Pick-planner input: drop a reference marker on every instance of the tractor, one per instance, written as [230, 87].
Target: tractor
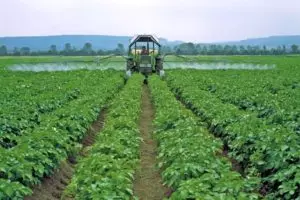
[144, 56]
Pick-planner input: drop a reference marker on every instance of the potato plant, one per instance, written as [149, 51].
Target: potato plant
[40, 149]
[190, 157]
[107, 172]
[266, 150]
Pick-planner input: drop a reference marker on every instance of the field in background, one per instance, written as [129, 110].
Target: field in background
[67, 63]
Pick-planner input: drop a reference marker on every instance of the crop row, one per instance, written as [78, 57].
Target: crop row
[190, 156]
[269, 94]
[39, 152]
[26, 96]
[270, 151]
[107, 171]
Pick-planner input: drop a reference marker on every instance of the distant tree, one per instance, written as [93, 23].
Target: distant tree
[295, 49]
[174, 49]
[36, 53]
[284, 49]
[219, 49]
[249, 50]
[264, 50]
[256, 50]
[235, 50]
[212, 49]
[121, 49]
[16, 51]
[74, 52]
[204, 50]
[243, 50]
[25, 51]
[178, 51]
[198, 48]
[87, 48]
[100, 52]
[53, 50]
[67, 50]
[278, 50]
[166, 49]
[227, 50]
[187, 48]
[273, 51]
[3, 50]
[68, 47]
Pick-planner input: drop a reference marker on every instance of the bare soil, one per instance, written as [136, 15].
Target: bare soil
[52, 187]
[236, 166]
[148, 183]
[94, 129]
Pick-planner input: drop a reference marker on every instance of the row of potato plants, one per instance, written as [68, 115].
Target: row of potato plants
[272, 94]
[107, 170]
[190, 157]
[27, 97]
[57, 136]
[269, 151]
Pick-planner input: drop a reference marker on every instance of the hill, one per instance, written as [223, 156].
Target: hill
[43, 43]
[272, 41]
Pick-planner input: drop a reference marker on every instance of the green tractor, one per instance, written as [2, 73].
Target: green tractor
[144, 56]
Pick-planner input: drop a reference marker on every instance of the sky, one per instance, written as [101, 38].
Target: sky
[187, 20]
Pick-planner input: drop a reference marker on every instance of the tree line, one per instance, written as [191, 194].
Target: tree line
[214, 49]
[182, 49]
[68, 50]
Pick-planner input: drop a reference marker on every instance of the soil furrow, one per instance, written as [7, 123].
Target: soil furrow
[148, 183]
[52, 187]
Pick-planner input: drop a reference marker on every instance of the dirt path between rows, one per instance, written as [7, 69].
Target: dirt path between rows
[148, 183]
[52, 187]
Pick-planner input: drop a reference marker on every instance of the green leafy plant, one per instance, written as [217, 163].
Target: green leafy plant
[107, 171]
[191, 157]
[55, 116]
[242, 114]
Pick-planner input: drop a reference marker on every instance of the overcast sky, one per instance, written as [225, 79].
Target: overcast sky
[188, 20]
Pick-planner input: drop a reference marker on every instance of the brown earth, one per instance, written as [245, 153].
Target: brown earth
[236, 166]
[94, 129]
[52, 187]
[148, 183]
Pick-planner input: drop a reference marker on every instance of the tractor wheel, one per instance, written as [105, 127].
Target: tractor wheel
[159, 65]
[145, 80]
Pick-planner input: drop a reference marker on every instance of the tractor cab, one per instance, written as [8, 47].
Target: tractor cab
[144, 56]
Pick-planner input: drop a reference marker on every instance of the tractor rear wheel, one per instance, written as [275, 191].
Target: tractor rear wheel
[158, 65]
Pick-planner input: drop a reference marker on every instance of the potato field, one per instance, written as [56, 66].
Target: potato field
[83, 132]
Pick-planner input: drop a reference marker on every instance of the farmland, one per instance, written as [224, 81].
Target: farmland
[211, 134]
